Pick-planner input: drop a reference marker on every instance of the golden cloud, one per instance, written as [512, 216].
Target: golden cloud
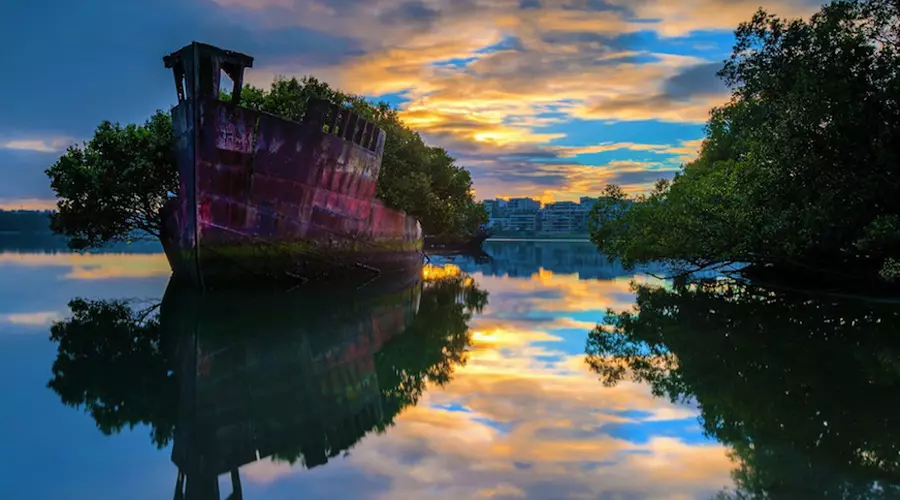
[551, 182]
[638, 107]
[681, 18]
[485, 77]
[686, 148]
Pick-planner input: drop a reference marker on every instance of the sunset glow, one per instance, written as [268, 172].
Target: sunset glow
[551, 99]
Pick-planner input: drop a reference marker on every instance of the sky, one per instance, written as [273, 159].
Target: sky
[551, 99]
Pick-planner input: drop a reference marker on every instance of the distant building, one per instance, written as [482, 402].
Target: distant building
[588, 202]
[492, 207]
[499, 224]
[521, 215]
[524, 221]
[525, 215]
[523, 205]
[564, 217]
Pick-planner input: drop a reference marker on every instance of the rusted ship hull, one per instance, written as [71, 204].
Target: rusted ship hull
[262, 197]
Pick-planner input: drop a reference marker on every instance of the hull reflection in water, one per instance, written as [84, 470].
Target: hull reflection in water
[231, 377]
[291, 375]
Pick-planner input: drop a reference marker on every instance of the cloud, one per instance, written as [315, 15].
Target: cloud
[686, 147]
[483, 78]
[560, 181]
[45, 145]
[685, 96]
[701, 79]
[414, 11]
[43, 318]
[678, 19]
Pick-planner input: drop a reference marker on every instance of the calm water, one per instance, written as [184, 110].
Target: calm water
[486, 379]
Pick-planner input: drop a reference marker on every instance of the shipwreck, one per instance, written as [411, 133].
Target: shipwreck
[266, 198]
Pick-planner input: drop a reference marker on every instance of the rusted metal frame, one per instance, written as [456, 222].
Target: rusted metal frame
[366, 130]
[346, 122]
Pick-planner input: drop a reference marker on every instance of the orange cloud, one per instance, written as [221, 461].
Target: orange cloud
[637, 107]
[483, 78]
[682, 18]
[566, 181]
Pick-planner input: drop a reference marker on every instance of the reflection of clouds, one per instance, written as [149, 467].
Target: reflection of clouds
[90, 266]
[525, 419]
[550, 292]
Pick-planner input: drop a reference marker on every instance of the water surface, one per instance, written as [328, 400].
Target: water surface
[489, 379]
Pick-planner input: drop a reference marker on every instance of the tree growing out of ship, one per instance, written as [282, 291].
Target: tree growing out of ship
[111, 188]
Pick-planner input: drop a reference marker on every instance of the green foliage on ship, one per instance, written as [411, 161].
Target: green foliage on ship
[422, 180]
[800, 169]
[112, 187]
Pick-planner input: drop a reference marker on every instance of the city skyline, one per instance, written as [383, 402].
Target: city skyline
[550, 99]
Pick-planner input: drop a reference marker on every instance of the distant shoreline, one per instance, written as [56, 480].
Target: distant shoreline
[559, 239]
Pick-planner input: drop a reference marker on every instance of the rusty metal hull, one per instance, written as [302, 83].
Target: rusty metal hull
[264, 198]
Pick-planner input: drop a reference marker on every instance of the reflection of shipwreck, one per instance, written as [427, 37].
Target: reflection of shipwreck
[289, 376]
[265, 197]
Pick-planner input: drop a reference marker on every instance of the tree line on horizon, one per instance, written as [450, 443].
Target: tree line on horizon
[25, 221]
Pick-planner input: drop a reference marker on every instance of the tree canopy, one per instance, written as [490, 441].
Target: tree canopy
[112, 187]
[800, 168]
[799, 386]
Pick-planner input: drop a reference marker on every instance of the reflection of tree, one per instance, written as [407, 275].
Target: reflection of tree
[299, 377]
[432, 346]
[802, 388]
[111, 362]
